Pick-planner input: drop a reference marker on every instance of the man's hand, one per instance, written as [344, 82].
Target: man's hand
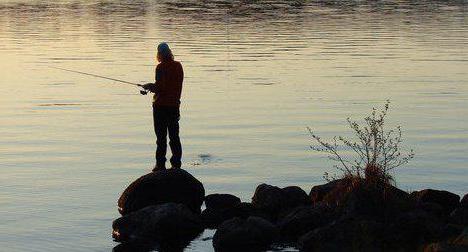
[148, 86]
[151, 87]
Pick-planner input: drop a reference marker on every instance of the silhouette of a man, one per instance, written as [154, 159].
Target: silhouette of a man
[166, 102]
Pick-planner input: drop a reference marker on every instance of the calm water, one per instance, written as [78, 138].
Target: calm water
[257, 73]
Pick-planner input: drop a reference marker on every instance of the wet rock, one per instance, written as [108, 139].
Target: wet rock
[251, 234]
[221, 201]
[169, 224]
[447, 200]
[213, 217]
[221, 207]
[149, 247]
[172, 185]
[304, 219]
[273, 201]
[344, 235]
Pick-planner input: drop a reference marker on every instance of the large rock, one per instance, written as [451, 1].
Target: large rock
[458, 244]
[269, 198]
[381, 202]
[304, 219]
[212, 217]
[447, 200]
[318, 193]
[295, 196]
[168, 223]
[344, 235]
[251, 234]
[459, 216]
[464, 201]
[273, 201]
[414, 229]
[221, 201]
[172, 185]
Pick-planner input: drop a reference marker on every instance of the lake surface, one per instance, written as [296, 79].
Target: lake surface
[257, 74]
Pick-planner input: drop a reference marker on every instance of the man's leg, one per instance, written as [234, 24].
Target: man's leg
[174, 140]
[160, 128]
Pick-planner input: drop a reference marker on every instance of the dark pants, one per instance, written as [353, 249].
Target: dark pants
[166, 120]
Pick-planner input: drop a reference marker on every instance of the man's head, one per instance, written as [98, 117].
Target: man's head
[164, 52]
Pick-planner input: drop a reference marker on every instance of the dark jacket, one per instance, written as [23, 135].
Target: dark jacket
[169, 78]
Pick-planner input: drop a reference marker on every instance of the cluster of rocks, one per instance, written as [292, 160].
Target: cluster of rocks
[162, 210]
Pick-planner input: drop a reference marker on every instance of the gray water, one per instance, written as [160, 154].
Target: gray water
[257, 73]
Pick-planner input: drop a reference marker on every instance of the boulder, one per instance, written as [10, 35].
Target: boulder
[464, 201]
[295, 196]
[444, 247]
[251, 234]
[171, 185]
[168, 223]
[414, 229]
[212, 217]
[458, 244]
[273, 201]
[304, 219]
[344, 235]
[374, 201]
[268, 198]
[447, 200]
[221, 201]
[318, 193]
[459, 216]
[462, 239]
[432, 208]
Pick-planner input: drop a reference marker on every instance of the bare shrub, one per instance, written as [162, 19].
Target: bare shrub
[377, 150]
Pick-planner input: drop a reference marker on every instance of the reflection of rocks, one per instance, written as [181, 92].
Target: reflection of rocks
[172, 185]
[251, 234]
[169, 224]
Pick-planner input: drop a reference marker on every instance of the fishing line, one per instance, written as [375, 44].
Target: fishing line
[98, 76]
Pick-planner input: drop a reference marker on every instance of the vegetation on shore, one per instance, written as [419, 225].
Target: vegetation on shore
[377, 150]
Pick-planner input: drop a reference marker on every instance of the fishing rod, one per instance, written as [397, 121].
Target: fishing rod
[143, 92]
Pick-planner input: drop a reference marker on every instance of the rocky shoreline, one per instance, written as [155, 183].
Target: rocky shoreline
[163, 211]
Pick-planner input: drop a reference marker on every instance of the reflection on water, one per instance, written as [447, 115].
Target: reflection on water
[257, 73]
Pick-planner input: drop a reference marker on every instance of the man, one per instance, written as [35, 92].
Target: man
[166, 101]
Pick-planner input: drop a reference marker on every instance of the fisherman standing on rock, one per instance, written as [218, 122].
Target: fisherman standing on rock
[166, 102]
